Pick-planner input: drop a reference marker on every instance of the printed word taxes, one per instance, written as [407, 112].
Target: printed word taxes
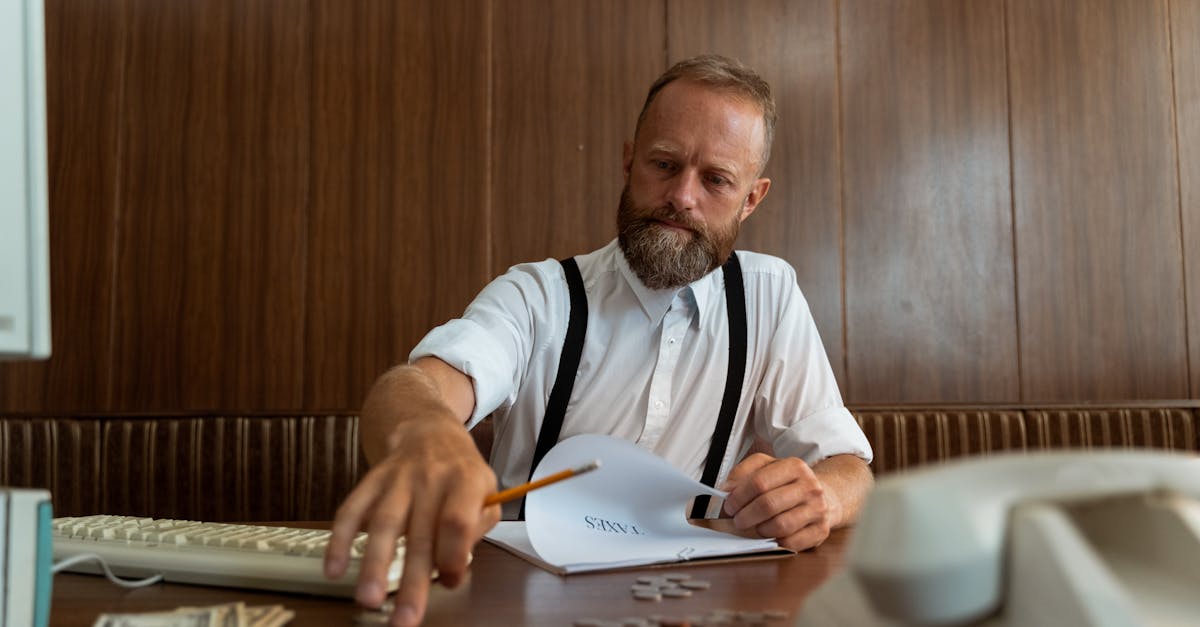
[608, 526]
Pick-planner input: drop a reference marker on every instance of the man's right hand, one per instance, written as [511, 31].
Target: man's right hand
[428, 489]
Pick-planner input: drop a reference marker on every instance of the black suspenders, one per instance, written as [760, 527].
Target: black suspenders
[735, 305]
[568, 366]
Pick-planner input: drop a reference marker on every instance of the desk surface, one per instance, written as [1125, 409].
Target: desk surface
[501, 590]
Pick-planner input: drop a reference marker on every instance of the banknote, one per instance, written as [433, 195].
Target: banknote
[225, 615]
[195, 617]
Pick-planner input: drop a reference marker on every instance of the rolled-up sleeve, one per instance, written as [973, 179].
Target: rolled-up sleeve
[798, 407]
[823, 434]
[492, 342]
[471, 348]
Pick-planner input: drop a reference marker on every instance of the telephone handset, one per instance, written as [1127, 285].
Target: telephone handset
[1064, 538]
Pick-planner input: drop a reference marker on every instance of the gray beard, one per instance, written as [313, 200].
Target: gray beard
[660, 257]
[664, 258]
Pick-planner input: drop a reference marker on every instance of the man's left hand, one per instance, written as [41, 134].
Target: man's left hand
[781, 498]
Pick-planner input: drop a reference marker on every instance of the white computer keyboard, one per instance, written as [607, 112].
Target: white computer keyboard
[285, 559]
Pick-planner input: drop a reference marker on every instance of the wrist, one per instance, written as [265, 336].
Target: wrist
[434, 424]
[835, 509]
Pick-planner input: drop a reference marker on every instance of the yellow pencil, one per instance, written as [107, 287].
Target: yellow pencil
[517, 492]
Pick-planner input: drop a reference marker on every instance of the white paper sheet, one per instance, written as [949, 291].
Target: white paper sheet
[630, 511]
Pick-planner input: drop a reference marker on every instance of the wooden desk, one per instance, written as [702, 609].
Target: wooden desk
[501, 590]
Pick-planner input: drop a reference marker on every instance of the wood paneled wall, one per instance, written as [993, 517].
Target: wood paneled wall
[1096, 198]
[262, 204]
[927, 205]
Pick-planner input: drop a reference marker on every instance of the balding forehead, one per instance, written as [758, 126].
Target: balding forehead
[734, 122]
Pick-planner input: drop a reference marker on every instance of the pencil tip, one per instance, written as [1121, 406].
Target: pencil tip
[592, 465]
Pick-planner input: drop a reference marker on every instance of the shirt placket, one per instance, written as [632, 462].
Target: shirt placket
[658, 409]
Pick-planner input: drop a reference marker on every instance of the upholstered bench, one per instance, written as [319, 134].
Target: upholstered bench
[283, 467]
[903, 438]
[216, 468]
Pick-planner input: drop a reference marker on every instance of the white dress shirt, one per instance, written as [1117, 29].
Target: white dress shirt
[653, 366]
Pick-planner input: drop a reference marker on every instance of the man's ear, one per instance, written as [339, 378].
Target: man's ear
[758, 191]
[627, 158]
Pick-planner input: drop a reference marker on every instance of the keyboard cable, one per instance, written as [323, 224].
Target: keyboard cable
[88, 557]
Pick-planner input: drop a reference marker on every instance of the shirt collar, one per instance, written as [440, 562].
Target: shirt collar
[655, 303]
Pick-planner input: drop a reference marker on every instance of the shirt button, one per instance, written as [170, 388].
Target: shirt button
[671, 341]
[658, 404]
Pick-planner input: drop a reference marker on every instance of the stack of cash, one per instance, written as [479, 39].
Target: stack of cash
[227, 615]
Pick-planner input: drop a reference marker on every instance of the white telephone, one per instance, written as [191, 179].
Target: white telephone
[1080, 538]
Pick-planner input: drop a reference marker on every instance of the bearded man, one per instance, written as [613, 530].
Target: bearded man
[664, 337]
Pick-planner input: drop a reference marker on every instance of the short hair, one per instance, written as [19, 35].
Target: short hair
[723, 74]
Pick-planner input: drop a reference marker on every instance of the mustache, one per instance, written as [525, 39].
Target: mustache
[668, 214]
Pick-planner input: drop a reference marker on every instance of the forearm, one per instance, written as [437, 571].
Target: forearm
[847, 481]
[427, 390]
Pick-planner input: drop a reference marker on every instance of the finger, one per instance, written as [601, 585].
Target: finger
[766, 506]
[744, 469]
[767, 477]
[413, 593]
[784, 512]
[346, 524]
[488, 519]
[388, 523]
[809, 537]
[747, 467]
[456, 534]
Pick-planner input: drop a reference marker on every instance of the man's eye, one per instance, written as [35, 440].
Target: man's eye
[717, 180]
[662, 165]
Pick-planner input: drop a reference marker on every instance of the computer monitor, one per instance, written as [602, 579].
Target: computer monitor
[24, 211]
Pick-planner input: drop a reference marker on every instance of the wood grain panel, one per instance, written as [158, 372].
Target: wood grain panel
[211, 235]
[1185, 44]
[398, 234]
[930, 311]
[569, 80]
[84, 49]
[1096, 201]
[793, 45]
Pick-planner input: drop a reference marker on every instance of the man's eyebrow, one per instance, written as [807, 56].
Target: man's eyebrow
[662, 147]
[724, 166]
[728, 169]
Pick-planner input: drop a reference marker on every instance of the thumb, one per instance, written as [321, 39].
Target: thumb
[747, 467]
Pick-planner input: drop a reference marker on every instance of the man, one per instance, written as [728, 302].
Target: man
[658, 347]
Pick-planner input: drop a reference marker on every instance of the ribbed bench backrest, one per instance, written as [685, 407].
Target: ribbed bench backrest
[255, 468]
[908, 438]
[202, 468]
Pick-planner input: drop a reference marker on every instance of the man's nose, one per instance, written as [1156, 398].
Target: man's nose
[684, 191]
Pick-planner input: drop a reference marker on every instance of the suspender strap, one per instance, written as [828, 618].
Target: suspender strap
[568, 364]
[564, 382]
[735, 305]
